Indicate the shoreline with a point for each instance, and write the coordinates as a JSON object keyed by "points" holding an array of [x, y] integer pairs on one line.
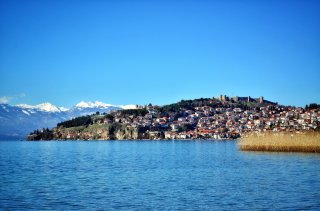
{"points": [[225, 139]]}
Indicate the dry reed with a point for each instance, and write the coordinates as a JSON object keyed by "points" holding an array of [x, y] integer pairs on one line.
{"points": [[281, 142]]}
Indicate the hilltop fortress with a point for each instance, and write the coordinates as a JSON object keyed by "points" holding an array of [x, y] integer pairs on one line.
{"points": [[225, 98]]}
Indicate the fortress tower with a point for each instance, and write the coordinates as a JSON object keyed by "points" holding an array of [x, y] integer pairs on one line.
{"points": [[223, 98], [260, 99], [236, 99]]}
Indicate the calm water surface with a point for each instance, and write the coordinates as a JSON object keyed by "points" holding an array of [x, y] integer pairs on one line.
{"points": [[135, 175]]}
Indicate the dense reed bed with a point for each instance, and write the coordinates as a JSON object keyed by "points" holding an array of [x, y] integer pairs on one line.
{"points": [[281, 142]]}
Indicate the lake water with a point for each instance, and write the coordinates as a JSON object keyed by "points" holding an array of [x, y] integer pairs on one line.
{"points": [[140, 175]]}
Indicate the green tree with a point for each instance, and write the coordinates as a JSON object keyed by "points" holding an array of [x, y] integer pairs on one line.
{"points": [[109, 116]]}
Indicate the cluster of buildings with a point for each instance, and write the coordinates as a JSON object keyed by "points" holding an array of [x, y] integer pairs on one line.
{"points": [[223, 122]]}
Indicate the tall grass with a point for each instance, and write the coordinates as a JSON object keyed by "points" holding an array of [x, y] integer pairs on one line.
{"points": [[281, 142]]}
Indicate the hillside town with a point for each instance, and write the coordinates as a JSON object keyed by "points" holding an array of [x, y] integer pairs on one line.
{"points": [[225, 123], [212, 118]]}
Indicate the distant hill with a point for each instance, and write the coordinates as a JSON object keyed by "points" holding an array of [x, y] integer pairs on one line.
{"points": [[17, 121]]}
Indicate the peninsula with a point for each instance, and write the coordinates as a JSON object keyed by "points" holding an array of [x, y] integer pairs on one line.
{"points": [[205, 118]]}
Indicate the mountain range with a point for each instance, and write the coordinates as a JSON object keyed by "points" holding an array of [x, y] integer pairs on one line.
{"points": [[16, 121]]}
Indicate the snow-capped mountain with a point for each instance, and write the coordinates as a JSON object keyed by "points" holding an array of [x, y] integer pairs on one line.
{"points": [[95, 104], [128, 106], [86, 108], [19, 120], [47, 107]]}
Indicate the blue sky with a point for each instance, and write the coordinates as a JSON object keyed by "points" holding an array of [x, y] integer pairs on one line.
{"points": [[136, 52]]}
